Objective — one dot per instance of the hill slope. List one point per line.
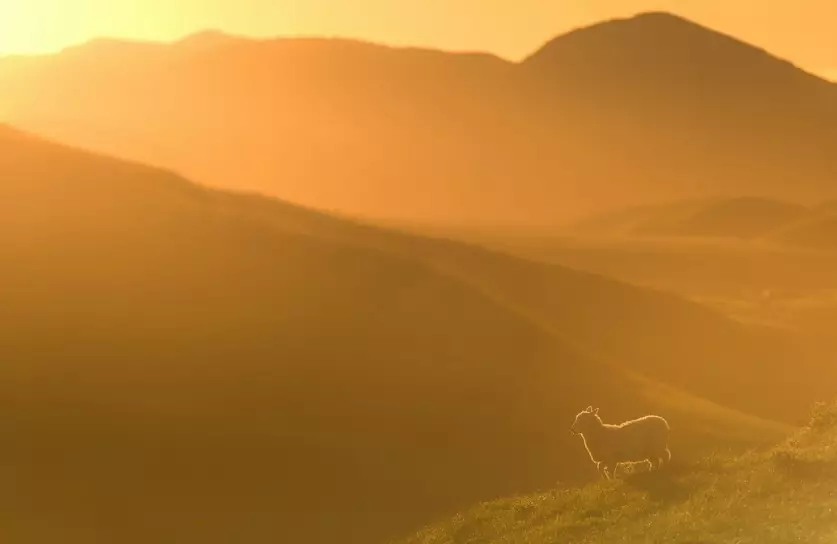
(677, 110)
(289, 375)
(642, 330)
(782, 495)
(166, 349)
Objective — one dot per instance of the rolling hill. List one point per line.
(648, 109)
(189, 364)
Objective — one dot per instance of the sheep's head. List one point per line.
(586, 420)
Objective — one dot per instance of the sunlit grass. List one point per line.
(786, 494)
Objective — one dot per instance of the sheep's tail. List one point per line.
(667, 453)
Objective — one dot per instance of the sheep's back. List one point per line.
(650, 422)
(636, 435)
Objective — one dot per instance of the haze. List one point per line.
(322, 290)
(802, 31)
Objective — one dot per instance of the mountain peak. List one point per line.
(648, 21)
(114, 49)
(647, 30)
(9, 133)
(656, 46)
(204, 38)
(661, 17)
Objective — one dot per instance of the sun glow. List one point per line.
(16, 33)
(38, 26)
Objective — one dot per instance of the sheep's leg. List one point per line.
(605, 471)
(650, 462)
(663, 458)
(659, 463)
(615, 468)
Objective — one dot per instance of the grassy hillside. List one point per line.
(781, 495)
(274, 368)
(677, 110)
(187, 364)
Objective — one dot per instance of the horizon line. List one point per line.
(826, 73)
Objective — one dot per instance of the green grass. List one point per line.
(780, 495)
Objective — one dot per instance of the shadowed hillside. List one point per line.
(657, 333)
(186, 364)
(279, 385)
(652, 108)
(785, 279)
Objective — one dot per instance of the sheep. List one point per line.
(644, 439)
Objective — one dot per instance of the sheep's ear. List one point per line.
(589, 409)
(596, 411)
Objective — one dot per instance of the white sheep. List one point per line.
(639, 440)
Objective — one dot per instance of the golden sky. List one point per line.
(801, 30)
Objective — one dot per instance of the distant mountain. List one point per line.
(187, 364)
(744, 218)
(737, 218)
(831, 205)
(651, 108)
(637, 219)
(207, 39)
(815, 231)
(140, 51)
(680, 108)
(661, 52)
